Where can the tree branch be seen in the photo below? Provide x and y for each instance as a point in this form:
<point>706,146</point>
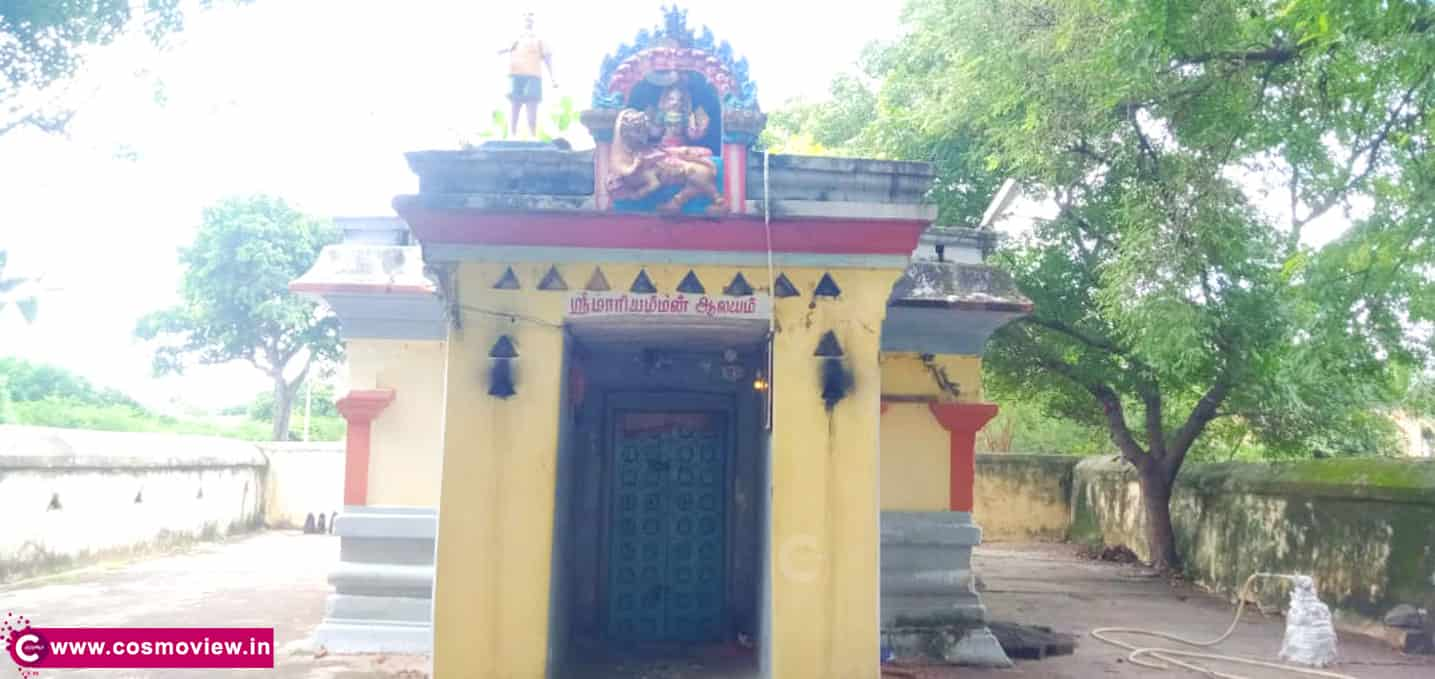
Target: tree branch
<point>1201,415</point>
<point>1116,421</point>
<point>1064,329</point>
<point>1111,406</point>
<point>1146,147</point>
<point>1370,150</point>
<point>1276,54</point>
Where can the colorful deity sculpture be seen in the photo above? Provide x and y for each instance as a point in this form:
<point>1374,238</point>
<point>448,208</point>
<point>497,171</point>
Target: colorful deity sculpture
<point>659,147</point>
<point>674,115</point>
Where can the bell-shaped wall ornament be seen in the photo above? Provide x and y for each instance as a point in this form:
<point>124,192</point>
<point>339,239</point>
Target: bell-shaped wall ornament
<point>500,371</point>
<point>500,378</point>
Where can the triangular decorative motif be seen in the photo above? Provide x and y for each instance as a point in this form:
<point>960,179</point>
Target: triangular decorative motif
<point>552,280</point>
<point>827,287</point>
<point>691,285</point>
<point>828,346</point>
<point>509,280</point>
<point>642,284</point>
<point>783,287</point>
<point>597,282</point>
<point>739,287</point>
<point>503,348</point>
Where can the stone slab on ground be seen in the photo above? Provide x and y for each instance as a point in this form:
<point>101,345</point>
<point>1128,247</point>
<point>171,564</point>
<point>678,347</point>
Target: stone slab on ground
<point>1032,642</point>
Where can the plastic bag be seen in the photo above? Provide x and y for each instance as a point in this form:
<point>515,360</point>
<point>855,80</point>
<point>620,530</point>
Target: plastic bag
<point>1310,634</point>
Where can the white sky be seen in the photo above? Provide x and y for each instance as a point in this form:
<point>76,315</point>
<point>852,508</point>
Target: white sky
<point>314,100</point>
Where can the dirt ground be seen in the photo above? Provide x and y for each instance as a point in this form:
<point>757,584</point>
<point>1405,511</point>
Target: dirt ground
<point>278,579</point>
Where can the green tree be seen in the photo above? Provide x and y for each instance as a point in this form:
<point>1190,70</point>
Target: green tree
<point>236,300</point>
<point>45,42</point>
<point>1188,146</point>
<point>27,381</point>
<point>17,290</point>
<point>324,400</point>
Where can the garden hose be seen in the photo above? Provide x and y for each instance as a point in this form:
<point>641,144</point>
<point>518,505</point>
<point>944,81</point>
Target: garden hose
<point>1162,658</point>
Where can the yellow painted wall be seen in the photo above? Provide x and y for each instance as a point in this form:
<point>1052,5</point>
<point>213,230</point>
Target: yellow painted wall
<point>496,512</point>
<point>905,374</point>
<point>825,537</point>
<point>496,509</point>
<point>406,452</point>
<point>916,460</point>
<point>916,450</point>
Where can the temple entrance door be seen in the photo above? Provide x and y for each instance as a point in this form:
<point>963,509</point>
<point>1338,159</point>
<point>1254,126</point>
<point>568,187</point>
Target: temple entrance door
<point>666,535</point>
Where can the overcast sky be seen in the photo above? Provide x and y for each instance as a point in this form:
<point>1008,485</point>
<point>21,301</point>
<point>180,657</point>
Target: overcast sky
<point>314,100</point>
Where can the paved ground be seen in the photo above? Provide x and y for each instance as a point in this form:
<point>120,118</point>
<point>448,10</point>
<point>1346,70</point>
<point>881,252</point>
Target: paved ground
<point>274,579</point>
<point>278,579</point>
<point>1046,584</point>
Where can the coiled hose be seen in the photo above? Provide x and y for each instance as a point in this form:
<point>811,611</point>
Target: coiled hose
<point>1157,658</point>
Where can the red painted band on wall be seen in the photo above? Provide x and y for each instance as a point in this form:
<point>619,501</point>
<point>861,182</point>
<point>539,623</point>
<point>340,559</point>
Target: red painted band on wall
<point>359,409</point>
<point>734,233</point>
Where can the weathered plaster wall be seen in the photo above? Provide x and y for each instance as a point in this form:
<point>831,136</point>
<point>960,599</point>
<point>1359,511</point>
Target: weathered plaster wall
<point>906,374</point>
<point>825,508</point>
<point>916,460</point>
<point>496,511</point>
<point>406,450</point>
<point>916,450</point>
<point>302,479</point>
<point>1023,497</point>
<point>68,497</point>
<point>1364,528</point>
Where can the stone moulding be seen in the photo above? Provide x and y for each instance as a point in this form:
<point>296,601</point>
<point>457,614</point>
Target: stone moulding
<point>383,583</point>
<point>930,606</point>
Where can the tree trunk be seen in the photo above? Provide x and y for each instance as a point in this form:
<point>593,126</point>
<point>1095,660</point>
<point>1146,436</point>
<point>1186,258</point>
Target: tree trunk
<point>1160,535</point>
<point>283,407</point>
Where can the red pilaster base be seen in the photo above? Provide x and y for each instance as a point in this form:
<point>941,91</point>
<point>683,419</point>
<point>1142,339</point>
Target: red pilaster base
<point>359,409</point>
<point>962,421</point>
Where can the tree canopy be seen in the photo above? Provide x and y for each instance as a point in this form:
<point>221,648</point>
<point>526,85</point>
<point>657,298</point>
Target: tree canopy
<point>27,381</point>
<point>45,42</point>
<point>236,300</point>
<point>1189,149</point>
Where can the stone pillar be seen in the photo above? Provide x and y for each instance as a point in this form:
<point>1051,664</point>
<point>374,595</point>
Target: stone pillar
<point>734,169</point>
<point>600,123</point>
<point>740,129</point>
<point>359,409</point>
<point>929,596</point>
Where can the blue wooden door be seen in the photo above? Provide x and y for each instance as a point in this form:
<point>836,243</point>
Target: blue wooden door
<point>666,556</point>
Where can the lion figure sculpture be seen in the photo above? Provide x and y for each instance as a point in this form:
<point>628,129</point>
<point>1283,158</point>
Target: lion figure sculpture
<point>639,166</point>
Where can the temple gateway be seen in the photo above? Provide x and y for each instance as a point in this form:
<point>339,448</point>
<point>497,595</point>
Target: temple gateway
<point>668,397</point>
